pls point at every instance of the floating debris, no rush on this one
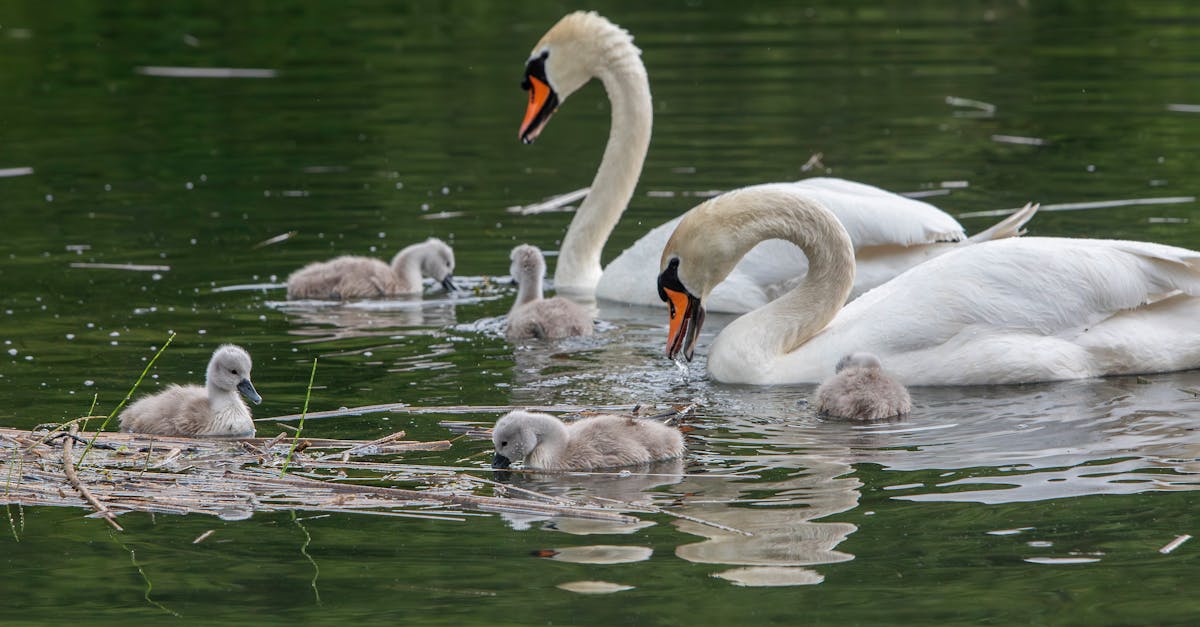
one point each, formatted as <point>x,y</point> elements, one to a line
<point>234,478</point>
<point>926,193</point>
<point>11,172</point>
<point>1020,140</point>
<point>120,266</point>
<point>282,237</point>
<point>1174,544</point>
<point>552,204</point>
<point>981,109</point>
<point>1184,108</point>
<point>1161,220</point>
<point>443,215</point>
<point>814,162</point>
<point>1077,206</point>
<point>204,72</point>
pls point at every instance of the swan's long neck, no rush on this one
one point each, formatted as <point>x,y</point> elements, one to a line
<point>620,68</point>
<point>407,264</point>
<point>552,437</point>
<point>529,288</point>
<point>786,323</point>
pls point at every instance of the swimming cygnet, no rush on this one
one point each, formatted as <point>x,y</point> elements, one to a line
<point>351,277</point>
<point>215,409</point>
<point>603,441</point>
<point>861,390</point>
<point>531,315</point>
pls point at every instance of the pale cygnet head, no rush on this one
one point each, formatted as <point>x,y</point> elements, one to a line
<point>515,436</point>
<point>229,370</point>
<point>566,58</point>
<point>527,265</point>
<point>858,360</point>
<point>434,258</point>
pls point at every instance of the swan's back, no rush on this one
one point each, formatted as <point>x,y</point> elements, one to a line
<point>1019,310</point>
<point>550,318</point>
<point>349,277</point>
<point>177,410</point>
<point>861,390</point>
<point>608,441</point>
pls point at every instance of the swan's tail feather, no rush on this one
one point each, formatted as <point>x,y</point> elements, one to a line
<point>1012,226</point>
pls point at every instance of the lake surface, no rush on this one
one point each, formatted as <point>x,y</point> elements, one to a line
<point>368,126</point>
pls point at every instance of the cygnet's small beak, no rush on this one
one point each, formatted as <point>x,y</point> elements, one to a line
<point>247,389</point>
<point>448,283</point>
<point>500,461</point>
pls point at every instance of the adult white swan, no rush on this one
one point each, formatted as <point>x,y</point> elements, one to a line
<point>890,232</point>
<point>1010,311</point>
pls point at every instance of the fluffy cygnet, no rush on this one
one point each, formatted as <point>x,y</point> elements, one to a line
<point>603,441</point>
<point>351,277</point>
<point>861,390</point>
<point>215,409</point>
<point>531,315</point>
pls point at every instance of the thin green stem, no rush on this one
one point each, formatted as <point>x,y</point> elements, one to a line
<point>296,439</point>
<point>128,395</point>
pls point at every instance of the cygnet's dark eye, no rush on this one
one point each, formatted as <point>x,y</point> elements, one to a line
<point>504,443</point>
<point>233,371</point>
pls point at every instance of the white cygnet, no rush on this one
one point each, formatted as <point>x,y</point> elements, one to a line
<point>215,409</point>
<point>351,277</point>
<point>531,315</point>
<point>861,390</point>
<point>604,441</point>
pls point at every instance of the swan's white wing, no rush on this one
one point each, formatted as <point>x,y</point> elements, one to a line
<point>877,217</point>
<point>871,216</point>
<point>1013,310</point>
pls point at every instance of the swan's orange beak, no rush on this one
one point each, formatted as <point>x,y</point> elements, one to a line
<point>542,104</point>
<point>687,314</point>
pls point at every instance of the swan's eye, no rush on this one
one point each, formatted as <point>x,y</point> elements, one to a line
<point>503,444</point>
<point>233,371</point>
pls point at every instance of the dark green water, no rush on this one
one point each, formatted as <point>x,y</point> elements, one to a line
<point>379,116</point>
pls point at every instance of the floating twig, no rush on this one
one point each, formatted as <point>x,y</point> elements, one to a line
<point>69,471</point>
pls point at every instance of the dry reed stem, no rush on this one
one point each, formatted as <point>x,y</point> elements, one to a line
<point>69,470</point>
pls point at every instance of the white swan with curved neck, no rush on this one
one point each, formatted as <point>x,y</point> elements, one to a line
<point>890,232</point>
<point>1010,311</point>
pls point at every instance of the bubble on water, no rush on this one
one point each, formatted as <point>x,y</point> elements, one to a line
<point>202,331</point>
<point>399,185</point>
<point>107,187</point>
<point>91,325</point>
<point>114,343</point>
<point>115,334</point>
<point>382,235</point>
<point>89,383</point>
<point>70,336</point>
<point>156,276</point>
<point>13,352</point>
<point>49,197</point>
<point>188,185</point>
<point>445,191</point>
<point>29,358</point>
<point>424,206</point>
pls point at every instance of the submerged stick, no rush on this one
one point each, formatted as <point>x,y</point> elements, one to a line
<point>69,470</point>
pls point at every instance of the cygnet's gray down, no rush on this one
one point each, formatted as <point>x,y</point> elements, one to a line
<point>351,277</point>
<point>215,409</point>
<point>531,315</point>
<point>603,441</point>
<point>861,390</point>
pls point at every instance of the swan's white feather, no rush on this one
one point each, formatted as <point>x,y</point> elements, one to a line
<point>1006,311</point>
